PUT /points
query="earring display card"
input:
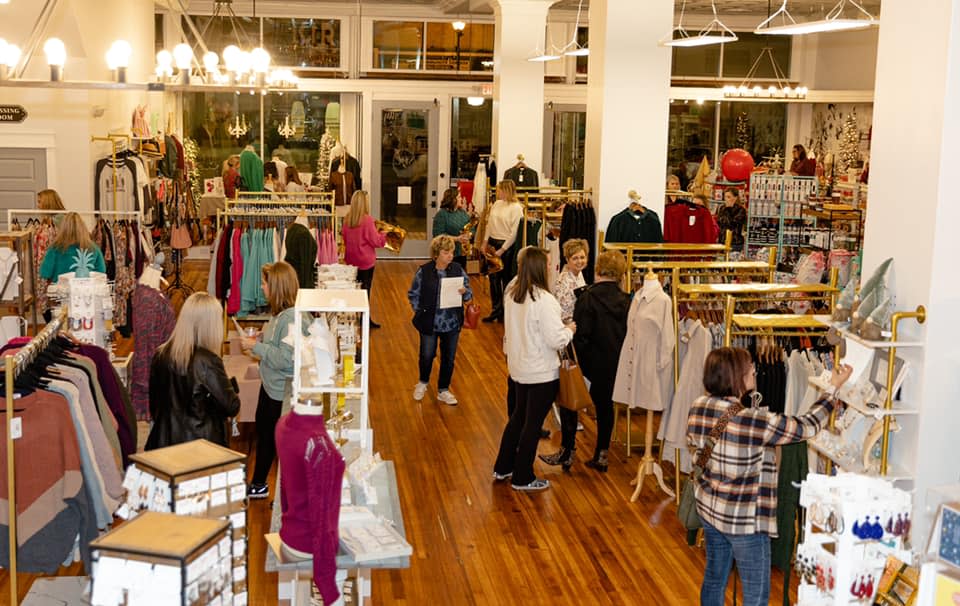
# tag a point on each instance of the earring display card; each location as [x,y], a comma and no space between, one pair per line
[949,550]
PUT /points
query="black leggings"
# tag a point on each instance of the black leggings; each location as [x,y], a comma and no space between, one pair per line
[268,413]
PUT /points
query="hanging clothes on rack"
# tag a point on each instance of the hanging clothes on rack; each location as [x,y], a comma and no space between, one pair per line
[689,223]
[251,170]
[479,197]
[352,166]
[645,370]
[153,324]
[580,221]
[634,224]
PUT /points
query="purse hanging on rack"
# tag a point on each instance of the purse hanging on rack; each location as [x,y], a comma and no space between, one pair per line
[179,233]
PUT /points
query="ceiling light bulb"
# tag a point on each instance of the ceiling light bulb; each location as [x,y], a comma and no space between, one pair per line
[164,59]
[699,100]
[9,54]
[475,101]
[55,51]
[244,62]
[182,56]
[787,90]
[459,26]
[803,91]
[772,89]
[210,61]
[119,54]
[231,55]
[756,90]
[260,60]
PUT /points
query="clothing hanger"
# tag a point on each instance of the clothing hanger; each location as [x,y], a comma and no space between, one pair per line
[635,201]
[520,163]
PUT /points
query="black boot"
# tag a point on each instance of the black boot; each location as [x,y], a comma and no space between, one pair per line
[563,457]
[599,461]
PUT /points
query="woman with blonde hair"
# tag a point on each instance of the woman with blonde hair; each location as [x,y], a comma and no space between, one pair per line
[361,239]
[64,255]
[502,224]
[231,176]
[49,199]
[280,285]
[191,396]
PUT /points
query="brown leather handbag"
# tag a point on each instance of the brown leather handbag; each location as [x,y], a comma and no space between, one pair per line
[573,394]
[471,315]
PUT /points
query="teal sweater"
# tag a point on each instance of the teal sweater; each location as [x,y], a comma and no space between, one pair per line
[276,357]
[450,222]
[57,262]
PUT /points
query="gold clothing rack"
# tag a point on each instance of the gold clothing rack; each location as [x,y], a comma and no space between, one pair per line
[117,143]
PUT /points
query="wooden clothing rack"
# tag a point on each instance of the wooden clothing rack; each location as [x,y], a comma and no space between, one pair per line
[13,366]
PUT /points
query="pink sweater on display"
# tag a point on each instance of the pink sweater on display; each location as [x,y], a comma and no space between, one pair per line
[360,243]
[310,495]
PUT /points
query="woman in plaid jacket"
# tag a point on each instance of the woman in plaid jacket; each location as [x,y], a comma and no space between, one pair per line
[737,492]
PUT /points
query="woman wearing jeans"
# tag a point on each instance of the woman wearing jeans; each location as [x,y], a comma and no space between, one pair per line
[436,324]
[737,500]
[533,334]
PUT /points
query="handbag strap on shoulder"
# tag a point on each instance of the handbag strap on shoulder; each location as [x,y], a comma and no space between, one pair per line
[716,432]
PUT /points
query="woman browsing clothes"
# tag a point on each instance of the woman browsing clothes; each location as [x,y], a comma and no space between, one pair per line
[534,333]
[361,241]
[569,280]
[191,396]
[737,493]
[450,220]
[732,216]
[438,325]
[280,285]
[63,256]
[502,224]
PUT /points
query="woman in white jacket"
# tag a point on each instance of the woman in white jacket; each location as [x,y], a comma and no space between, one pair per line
[533,334]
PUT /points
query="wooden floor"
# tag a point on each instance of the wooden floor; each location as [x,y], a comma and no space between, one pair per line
[480,542]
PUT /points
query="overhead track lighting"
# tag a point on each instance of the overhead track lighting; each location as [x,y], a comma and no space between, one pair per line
[782,22]
[714,33]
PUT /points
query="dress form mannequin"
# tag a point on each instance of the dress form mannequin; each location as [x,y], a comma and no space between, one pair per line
[312,411]
[648,464]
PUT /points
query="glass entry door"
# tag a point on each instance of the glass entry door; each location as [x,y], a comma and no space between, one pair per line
[405,172]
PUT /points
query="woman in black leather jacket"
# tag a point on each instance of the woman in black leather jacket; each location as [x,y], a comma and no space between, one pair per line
[191,396]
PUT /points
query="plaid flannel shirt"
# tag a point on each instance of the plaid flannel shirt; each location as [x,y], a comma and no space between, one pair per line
[737,493]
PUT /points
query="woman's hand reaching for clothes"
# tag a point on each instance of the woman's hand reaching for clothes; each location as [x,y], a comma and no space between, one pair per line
[841,373]
[572,326]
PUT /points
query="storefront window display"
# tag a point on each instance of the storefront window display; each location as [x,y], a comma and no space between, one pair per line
[762,130]
[432,46]
[208,118]
[569,144]
[304,43]
[692,135]
[472,132]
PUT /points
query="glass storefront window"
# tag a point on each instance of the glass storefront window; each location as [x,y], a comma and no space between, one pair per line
[583,40]
[209,116]
[304,43]
[472,134]
[569,144]
[691,136]
[218,33]
[738,57]
[765,126]
[432,46]
[697,61]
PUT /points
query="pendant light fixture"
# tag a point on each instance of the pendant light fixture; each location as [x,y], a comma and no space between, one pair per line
[751,87]
[714,33]
[782,22]
[573,49]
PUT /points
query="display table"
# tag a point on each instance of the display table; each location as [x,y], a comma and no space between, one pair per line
[387,507]
[247,372]
[57,592]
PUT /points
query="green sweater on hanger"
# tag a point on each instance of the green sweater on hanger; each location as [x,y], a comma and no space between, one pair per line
[251,169]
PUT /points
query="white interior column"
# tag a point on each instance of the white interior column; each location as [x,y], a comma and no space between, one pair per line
[912,216]
[628,104]
[518,83]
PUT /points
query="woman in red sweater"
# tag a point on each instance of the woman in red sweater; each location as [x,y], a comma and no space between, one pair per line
[361,239]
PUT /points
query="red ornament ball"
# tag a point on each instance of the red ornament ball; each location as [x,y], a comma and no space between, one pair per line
[737,164]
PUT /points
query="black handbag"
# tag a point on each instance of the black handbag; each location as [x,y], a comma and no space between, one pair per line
[687,511]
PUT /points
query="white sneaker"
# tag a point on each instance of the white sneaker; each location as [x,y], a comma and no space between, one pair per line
[447,397]
[419,390]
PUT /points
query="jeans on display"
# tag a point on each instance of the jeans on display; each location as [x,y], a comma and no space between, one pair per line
[518,445]
[752,554]
[448,353]
[268,413]
[602,396]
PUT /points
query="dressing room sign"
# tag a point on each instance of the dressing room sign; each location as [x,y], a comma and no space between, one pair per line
[12,113]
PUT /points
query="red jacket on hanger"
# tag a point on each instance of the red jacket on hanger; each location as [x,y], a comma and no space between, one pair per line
[689,223]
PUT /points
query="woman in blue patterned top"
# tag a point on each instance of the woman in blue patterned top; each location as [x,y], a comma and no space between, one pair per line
[437,325]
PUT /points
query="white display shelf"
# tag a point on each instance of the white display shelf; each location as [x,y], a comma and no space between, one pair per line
[894,474]
[315,299]
[844,329]
[899,408]
[307,386]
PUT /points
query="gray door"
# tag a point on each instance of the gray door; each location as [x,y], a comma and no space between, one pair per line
[404,191]
[23,172]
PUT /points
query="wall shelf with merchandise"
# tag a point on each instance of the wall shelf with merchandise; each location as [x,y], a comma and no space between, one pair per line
[774,209]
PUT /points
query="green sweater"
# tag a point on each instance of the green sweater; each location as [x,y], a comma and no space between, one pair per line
[57,262]
[251,169]
[450,222]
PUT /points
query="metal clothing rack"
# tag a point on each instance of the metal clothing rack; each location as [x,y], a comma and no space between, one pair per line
[542,204]
[13,366]
[33,212]
[118,143]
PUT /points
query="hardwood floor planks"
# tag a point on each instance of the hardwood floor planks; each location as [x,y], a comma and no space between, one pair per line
[477,542]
